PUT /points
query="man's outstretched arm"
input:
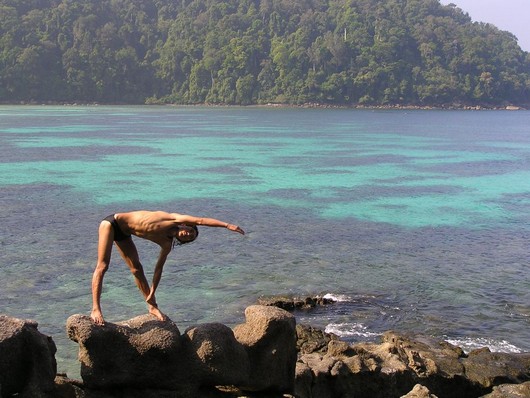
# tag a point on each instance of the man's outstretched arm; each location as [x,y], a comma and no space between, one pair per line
[97,286]
[157,276]
[205,221]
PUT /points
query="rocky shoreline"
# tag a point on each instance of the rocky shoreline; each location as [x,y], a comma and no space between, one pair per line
[468,107]
[316,105]
[269,355]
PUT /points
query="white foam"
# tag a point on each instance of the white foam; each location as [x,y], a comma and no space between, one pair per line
[469,344]
[337,297]
[350,330]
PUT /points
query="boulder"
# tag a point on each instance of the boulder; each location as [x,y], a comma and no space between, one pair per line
[303,380]
[310,339]
[295,303]
[27,359]
[152,357]
[269,337]
[393,367]
[215,357]
[510,391]
[142,352]
[68,388]
[419,391]
[489,369]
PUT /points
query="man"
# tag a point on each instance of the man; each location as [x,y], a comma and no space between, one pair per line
[164,229]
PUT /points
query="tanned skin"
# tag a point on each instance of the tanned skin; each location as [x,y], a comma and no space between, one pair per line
[156,226]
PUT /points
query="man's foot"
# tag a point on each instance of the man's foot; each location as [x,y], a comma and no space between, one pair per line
[97,317]
[156,312]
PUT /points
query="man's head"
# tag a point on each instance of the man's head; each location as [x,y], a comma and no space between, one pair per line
[187,233]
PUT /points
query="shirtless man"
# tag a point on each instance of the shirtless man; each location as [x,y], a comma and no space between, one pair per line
[164,229]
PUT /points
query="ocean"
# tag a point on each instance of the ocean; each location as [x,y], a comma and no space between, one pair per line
[412,220]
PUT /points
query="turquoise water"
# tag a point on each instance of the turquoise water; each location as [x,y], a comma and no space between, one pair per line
[416,220]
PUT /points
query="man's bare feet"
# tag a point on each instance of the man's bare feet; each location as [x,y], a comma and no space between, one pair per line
[156,312]
[97,317]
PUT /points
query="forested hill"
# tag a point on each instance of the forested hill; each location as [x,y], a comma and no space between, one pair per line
[345,52]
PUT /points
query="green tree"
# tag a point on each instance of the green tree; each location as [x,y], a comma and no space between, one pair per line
[256,51]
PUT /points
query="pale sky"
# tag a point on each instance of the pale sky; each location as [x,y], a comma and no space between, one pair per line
[510,15]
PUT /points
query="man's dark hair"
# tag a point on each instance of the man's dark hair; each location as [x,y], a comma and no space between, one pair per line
[178,242]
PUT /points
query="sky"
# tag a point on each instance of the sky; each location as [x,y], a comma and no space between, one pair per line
[510,15]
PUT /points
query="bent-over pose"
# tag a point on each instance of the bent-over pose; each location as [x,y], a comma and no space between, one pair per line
[164,229]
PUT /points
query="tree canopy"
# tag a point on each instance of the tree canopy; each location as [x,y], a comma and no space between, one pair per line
[344,52]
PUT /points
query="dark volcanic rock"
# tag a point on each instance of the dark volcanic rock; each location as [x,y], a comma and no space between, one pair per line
[394,367]
[269,336]
[146,358]
[149,355]
[142,352]
[293,303]
[510,391]
[215,356]
[489,369]
[27,359]
[310,339]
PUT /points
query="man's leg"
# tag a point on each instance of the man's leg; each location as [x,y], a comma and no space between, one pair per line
[106,237]
[129,253]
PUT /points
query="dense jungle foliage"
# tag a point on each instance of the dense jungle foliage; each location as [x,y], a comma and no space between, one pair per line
[256,51]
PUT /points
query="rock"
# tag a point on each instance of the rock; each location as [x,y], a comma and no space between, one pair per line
[510,391]
[68,388]
[310,339]
[142,352]
[145,357]
[303,380]
[269,337]
[293,303]
[27,359]
[493,368]
[394,367]
[216,357]
[419,391]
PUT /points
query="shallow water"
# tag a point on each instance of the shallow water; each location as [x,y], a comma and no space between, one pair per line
[416,220]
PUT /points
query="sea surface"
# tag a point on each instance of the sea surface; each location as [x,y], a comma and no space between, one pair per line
[414,221]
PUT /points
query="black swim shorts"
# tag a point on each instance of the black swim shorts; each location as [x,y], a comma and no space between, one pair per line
[118,233]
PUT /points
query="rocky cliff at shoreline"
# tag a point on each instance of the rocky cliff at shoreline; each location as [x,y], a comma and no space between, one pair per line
[267,356]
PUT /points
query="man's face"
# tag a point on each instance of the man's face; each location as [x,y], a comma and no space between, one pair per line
[186,234]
